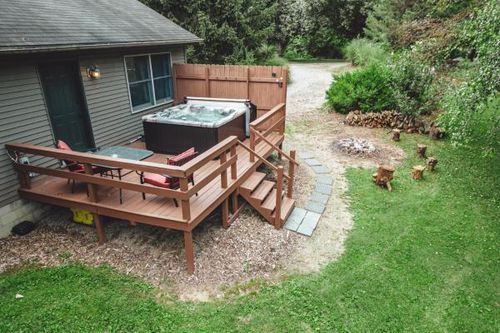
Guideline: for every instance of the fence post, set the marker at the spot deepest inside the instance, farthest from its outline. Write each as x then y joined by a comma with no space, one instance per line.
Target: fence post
185,205
207,80
279,193
291,174
223,175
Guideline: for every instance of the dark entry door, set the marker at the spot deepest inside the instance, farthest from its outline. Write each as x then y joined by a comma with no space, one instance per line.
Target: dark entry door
65,103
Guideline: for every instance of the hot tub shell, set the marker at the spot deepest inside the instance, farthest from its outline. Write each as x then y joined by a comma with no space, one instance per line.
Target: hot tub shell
175,136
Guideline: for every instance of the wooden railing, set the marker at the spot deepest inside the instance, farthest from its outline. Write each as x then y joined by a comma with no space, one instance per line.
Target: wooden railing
260,129
88,160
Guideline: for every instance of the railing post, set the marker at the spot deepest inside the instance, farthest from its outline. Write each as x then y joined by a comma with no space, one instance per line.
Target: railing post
223,175
91,187
185,205
291,174
225,213
252,144
279,193
234,168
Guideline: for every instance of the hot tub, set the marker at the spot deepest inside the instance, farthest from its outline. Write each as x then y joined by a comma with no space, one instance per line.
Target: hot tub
199,123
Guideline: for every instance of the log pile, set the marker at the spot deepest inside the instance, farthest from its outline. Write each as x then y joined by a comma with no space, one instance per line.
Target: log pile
386,119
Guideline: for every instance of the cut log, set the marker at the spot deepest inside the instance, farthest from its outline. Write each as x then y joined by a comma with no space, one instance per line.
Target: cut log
396,134
436,133
383,176
431,163
418,172
421,151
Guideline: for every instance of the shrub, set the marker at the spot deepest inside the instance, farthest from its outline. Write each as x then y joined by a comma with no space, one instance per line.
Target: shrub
410,81
367,89
471,108
276,60
297,49
364,52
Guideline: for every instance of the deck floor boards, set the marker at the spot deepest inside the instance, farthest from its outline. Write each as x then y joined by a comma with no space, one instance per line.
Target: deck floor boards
157,207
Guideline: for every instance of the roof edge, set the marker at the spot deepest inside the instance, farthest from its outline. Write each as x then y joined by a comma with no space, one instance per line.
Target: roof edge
76,47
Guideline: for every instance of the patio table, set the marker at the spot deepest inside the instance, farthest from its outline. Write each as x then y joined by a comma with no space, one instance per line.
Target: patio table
128,153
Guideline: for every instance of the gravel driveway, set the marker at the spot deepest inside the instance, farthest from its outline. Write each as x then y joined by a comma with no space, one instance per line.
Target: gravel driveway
306,92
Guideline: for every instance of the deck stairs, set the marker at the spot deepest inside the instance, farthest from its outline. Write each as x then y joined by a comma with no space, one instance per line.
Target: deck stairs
261,194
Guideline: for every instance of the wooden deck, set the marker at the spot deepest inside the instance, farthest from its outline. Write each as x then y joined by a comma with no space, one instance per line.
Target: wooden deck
155,210
218,173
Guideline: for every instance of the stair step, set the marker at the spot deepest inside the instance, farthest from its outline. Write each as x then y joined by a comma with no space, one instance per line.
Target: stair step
286,208
253,181
261,192
270,203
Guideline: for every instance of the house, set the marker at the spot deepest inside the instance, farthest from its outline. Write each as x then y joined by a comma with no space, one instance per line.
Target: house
84,71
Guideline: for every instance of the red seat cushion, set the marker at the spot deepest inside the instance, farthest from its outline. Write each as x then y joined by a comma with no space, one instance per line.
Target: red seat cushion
160,181
176,159
63,145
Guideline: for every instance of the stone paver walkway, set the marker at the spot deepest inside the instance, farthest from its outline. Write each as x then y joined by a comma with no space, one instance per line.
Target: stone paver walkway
305,220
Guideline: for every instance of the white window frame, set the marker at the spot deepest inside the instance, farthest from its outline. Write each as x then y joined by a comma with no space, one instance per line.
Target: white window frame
151,80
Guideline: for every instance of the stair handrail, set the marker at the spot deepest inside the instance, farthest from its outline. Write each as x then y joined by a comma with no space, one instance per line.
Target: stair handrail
278,149
260,157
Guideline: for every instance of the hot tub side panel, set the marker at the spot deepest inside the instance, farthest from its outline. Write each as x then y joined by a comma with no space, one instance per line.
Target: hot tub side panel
175,138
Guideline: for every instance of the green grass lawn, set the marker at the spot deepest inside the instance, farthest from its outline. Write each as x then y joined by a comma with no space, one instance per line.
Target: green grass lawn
423,258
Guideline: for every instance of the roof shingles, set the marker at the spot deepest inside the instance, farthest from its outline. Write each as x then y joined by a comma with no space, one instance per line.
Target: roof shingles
34,25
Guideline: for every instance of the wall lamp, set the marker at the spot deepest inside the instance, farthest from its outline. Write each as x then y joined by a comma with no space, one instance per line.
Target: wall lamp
93,72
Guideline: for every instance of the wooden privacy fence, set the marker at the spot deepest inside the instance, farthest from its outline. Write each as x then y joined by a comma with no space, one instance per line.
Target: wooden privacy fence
265,86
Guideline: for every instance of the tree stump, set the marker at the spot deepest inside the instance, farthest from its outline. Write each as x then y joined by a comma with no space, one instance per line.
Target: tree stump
418,172
431,163
383,176
436,133
396,134
421,151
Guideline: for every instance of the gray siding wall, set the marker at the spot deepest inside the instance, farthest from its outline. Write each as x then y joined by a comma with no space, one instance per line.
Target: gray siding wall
23,119
108,98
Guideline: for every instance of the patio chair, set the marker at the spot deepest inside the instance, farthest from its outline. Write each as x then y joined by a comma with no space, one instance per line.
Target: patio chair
77,167
167,181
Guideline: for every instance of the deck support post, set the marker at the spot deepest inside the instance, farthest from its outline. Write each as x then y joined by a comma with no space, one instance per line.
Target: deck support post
225,213
188,248
186,209
291,174
99,228
234,201
279,193
280,157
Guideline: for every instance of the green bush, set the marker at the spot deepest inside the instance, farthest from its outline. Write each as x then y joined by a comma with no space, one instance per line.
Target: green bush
367,89
364,52
297,49
471,114
410,81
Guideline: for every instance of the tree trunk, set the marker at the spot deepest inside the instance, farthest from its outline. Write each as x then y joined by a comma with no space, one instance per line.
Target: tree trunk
421,151
418,172
383,176
431,163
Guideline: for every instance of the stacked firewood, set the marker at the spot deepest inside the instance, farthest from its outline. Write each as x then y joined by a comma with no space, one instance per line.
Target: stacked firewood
386,119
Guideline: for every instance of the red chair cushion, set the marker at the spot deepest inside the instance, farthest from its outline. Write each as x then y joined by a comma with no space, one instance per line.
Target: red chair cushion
160,181
178,158
63,145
